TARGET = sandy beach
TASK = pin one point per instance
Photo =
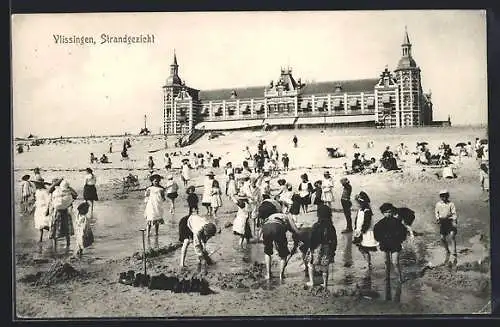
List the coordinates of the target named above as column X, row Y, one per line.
column 237, row 278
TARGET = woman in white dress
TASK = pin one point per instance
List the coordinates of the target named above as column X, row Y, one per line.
column 42, row 201
column 154, row 197
column 327, row 189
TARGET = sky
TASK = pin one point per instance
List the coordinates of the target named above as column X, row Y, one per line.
column 105, row 89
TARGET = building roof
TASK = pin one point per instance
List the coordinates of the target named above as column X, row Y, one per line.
column 358, row 85
column 225, row 94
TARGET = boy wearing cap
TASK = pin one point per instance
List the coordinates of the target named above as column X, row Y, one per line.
column 199, row 230
column 345, row 200
column 446, row 216
column 390, row 233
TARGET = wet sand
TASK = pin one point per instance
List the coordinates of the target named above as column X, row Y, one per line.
column 236, row 278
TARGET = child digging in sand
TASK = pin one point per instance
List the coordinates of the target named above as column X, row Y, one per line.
column 154, row 196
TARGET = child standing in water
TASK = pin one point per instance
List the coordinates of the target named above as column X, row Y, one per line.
column 81, row 224
column 390, row 234
column 316, row 195
column 363, row 228
column 171, row 190
column 154, row 196
column 216, row 193
column 446, row 217
column 241, row 224
column 42, row 200
column 192, row 200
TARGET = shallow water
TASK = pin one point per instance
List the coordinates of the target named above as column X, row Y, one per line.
column 116, row 223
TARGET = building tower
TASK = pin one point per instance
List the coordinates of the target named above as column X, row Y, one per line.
column 408, row 78
column 171, row 89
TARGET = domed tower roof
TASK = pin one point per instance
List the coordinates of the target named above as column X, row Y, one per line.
column 174, row 78
column 406, row 62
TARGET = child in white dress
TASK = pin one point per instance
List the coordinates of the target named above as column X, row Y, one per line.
column 154, row 196
column 216, row 202
column 241, row 225
column 81, row 224
column 42, row 201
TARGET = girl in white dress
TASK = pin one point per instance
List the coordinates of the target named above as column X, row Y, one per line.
column 186, row 172
column 216, row 201
column 241, row 224
column 363, row 230
column 327, row 189
column 206, row 199
column 42, row 201
column 154, row 196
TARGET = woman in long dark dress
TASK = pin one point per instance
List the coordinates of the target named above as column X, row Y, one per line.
column 89, row 189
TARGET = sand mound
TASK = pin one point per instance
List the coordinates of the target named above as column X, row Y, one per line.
column 58, row 273
column 152, row 253
column 442, row 277
column 246, row 279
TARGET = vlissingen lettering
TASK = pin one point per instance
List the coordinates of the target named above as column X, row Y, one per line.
column 127, row 39
column 73, row 39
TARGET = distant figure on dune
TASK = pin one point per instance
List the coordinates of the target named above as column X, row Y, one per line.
column 111, row 147
column 295, row 141
column 151, row 163
column 286, row 161
column 168, row 162
column 93, row 158
column 104, row 159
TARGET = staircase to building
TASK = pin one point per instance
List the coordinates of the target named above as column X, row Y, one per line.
column 192, row 137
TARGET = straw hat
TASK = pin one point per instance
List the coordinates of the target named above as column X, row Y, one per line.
column 210, row 173
column 443, row 191
column 362, row 197
column 327, row 173
column 155, row 176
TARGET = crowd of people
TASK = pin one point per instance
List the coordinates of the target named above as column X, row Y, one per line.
column 263, row 212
